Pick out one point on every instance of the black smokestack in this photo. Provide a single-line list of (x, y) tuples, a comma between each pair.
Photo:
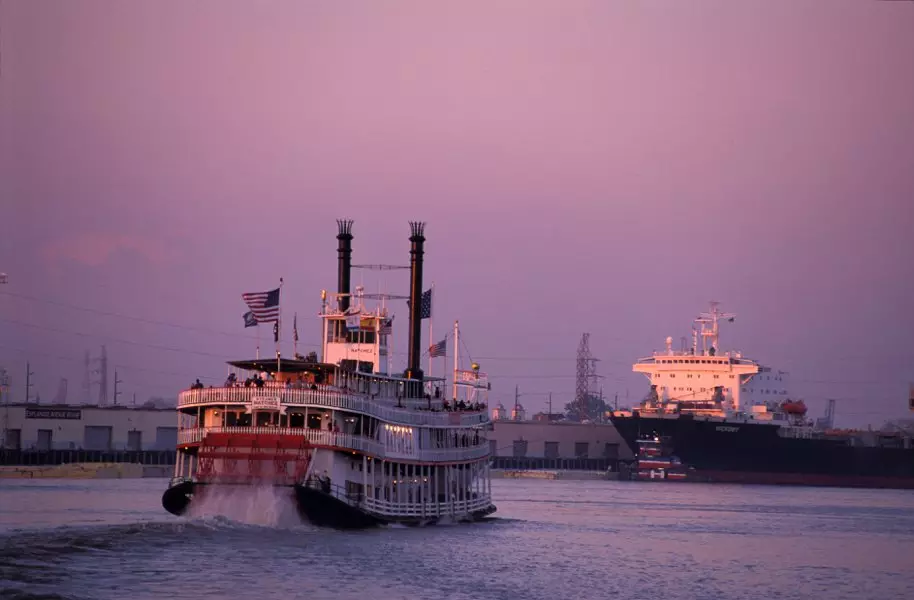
[(345, 261), (416, 250)]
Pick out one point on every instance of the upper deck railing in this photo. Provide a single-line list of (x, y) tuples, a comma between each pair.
[(347, 441), (330, 398)]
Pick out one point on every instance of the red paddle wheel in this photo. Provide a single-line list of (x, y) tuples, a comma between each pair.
[(252, 458)]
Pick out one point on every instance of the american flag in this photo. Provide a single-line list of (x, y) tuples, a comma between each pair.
[(425, 306), (439, 349), (387, 326), (264, 305)]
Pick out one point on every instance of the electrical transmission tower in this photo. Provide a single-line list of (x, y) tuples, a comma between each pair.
[(87, 380), (102, 372), (585, 379)]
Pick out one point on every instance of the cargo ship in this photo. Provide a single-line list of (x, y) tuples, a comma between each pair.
[(352, 444), (698, 411)]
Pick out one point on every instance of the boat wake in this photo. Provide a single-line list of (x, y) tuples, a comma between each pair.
[(264, 506)]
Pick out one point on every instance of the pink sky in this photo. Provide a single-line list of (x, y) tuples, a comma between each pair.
[(586, 166)]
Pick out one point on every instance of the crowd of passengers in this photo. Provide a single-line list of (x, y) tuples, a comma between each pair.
[(260, 380)]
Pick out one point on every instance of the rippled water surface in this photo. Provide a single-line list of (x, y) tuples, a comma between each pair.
[(552, 540)]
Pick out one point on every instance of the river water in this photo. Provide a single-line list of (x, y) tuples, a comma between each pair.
[(552, 540)]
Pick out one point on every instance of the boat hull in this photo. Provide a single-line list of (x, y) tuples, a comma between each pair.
[(318, 508), (325, 510), (717, 451), (177, 498)]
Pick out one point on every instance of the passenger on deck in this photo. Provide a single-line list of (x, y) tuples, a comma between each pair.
[(325, 482)]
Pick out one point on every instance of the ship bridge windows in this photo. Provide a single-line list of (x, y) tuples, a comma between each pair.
[(357, 336), (340, 333)]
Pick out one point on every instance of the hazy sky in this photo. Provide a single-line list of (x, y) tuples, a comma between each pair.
[(599, 166)]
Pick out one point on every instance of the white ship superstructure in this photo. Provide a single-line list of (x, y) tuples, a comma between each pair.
[(705, 380)]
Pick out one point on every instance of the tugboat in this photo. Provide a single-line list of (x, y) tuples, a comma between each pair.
[(356, 446), (655, 460)]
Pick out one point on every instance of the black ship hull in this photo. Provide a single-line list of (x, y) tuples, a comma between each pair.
[(737, 452)]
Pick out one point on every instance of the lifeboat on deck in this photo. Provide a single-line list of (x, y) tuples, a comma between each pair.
[(792, 407)]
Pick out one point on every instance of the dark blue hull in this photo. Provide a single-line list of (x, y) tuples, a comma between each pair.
[(719, 451)]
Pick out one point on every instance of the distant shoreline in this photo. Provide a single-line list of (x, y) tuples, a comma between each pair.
[(86, 471), (569, 475)]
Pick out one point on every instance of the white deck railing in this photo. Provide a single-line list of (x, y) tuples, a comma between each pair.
[(455, 508), (328, 398), (330, 439)]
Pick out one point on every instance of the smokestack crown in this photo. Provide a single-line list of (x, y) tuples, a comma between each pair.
[(344, 251), (417, 239)]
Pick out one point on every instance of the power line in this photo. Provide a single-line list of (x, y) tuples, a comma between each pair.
[(115, 339), (225, 357), (240, 335), (131, 317)]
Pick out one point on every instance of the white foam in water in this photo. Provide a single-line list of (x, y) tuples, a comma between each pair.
[(265, 505)]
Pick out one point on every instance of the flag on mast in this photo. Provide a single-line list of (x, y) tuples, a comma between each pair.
[(276, 332), (264, 305), (387, 326), (249, 319), (295, 327), (439, 349), (425, 305)]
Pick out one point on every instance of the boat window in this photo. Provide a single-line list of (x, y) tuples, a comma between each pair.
[(360, 337)]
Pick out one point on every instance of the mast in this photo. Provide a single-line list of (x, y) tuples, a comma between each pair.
[(456, 356), (710, 328), (431, 338), (277, 328)]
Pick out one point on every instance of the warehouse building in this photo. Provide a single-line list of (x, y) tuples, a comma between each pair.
[(46, 428), (545, 444)]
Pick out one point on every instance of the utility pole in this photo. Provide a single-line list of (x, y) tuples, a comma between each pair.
[(116, 381), (134, 398), (602, 406), (28, 382), (549, 418)]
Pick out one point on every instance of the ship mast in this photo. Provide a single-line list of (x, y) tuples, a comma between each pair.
[(709, 324)]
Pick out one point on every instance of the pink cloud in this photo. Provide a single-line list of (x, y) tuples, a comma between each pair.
[(96, 248)]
